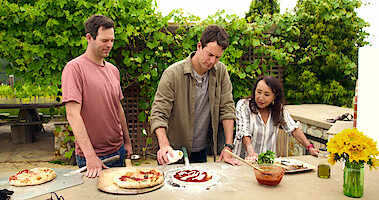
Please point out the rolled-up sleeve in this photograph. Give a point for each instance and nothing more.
(290, 125)
(243, 119)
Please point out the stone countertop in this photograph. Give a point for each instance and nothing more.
(339, 126)
(316, 114)
(238, 182)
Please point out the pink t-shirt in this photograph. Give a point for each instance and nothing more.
(97, 89)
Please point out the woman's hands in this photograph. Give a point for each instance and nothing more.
(251, 155)
(313, 151)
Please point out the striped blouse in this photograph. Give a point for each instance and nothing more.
(263, 136)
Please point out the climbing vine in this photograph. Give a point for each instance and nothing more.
(39, 37)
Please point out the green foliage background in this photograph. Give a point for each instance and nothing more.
(317, 46)
(261, 7)
(325, 68)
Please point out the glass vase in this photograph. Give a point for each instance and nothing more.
(353, 179)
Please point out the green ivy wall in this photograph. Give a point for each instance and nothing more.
(317, 46)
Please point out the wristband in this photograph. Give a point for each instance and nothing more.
(310, 146)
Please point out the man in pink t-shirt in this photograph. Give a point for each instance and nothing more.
(91, 93)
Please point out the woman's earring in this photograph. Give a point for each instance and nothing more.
(273, 102)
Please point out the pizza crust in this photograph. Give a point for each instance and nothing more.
(138, 178)
(193, 177)
(32, 177)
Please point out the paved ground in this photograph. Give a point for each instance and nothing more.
(14, 157)
(40, 150)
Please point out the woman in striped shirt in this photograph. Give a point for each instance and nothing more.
(259, 117)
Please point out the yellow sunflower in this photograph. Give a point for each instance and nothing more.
(332, 159)
(374, 163)
(352, 145)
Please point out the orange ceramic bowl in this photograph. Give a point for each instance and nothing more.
(271, 176)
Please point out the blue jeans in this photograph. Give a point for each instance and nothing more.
(81, 161)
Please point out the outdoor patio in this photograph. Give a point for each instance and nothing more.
(42, 150)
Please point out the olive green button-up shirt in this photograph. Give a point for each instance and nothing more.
(174, 104)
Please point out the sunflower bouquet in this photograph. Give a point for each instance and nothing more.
(356, 149)
(353, 146)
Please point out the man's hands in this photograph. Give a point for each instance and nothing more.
(94, 167)
(228, 158)
(164, 145)
(129, 150)
(162, 155)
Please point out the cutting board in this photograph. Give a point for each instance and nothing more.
(60, 182)
(105, 182)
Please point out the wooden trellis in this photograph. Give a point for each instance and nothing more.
(130, 104)
(132, 97)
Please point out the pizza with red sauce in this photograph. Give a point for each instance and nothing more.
(31, 177)
(192, 177)
(138, 178)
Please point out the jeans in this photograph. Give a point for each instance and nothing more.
(81, 161)
(198, 157)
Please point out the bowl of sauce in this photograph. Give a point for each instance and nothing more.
(272, 174)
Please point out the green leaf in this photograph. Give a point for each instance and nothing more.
(255, 42)
(149, 141)
(152, 45)
(142, 117)
(143, 104)
(57, 129)
(68, 154)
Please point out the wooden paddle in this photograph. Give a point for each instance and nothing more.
(105, 181)
(244, 161)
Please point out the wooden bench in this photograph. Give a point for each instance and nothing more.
(23, 132)
(4, 115)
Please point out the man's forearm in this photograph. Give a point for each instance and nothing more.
(82, 138)
(124, 125)
(80, 132)
(228, 130)
(162, 137)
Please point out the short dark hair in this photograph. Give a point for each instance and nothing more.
(93, 23)
(215, 33)
(279, 101)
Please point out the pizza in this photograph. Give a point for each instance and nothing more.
(193, 177)
(34, 176)
(138, 178)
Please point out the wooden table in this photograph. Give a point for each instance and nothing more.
(28, 120)
(238, 182)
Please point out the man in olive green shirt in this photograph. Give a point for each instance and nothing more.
(194, 95)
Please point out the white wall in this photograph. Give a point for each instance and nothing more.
(368, 92)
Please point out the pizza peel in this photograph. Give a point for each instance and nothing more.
(58, 183)
(105, 181)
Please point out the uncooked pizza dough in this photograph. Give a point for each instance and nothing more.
(193, 177)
